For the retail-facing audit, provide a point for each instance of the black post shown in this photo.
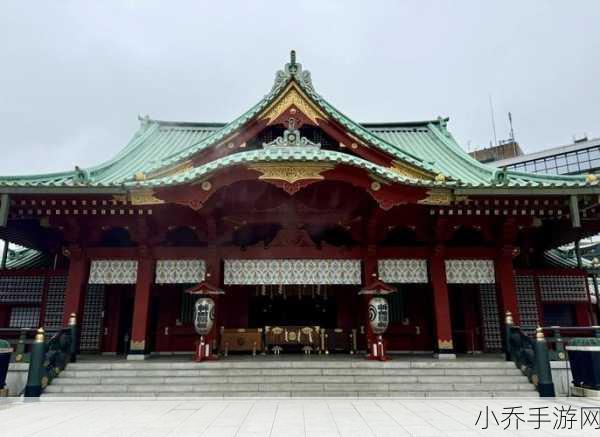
(508, 324)
(74, 338)
(20, 349)
(559, 343)
(545, 385)
(33, 389)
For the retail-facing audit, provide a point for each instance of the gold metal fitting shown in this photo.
(72, 319)
(539, 334)
(39, 337)
(509, 318)
(591, 178)
(440, 178)
(139, 176)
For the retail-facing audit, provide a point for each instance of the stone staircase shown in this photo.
(292, 377)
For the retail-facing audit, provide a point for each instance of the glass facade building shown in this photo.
(577, 158)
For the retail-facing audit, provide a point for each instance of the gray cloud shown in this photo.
(74, 75)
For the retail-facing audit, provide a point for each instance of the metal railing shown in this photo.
(50, 357)
(529, 355)
(559, 336)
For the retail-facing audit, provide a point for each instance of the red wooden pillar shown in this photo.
(76, 283)
(505, 282)
(141, 308)
(213, 276)
(582, 314)
(441, 304)
(369, 274)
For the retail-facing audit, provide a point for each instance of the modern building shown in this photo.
(580, 157)
(296, 212)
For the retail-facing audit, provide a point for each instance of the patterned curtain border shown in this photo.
(292, 272)
(180, 271)
(403, 271)
(470, 271)
(104, 271)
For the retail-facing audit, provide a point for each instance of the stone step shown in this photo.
(285, 387)
(108, 378)
(296, 364)
(311, 394)
(291, 378)
(92, 373)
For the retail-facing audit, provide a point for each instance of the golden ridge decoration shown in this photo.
(144, 197)
(291, 172)
(171, 171)
(293, 96)
(437, 196)
(409, 171)
(445, 344)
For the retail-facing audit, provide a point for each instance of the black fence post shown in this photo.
(545, 385)
(508, 324)
(74, 338)
(33, 389)
(21, 348)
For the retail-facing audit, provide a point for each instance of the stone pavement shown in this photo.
(290, 418)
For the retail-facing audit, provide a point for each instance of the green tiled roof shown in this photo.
(562, 258)
(25, 258)
(425, 145)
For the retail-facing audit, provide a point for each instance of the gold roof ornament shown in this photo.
(437, 196)
(293, 96)
(291, 172)
(591, 178)
(140, 176)
(144, 197)
(410, 171)
(440, 178)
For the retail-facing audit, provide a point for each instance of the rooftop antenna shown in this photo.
(512, 134)
(493, 121)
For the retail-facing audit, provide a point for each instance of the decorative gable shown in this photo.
(289, 103)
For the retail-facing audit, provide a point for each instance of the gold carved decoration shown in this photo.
(291, 172)
(120, 198)
(437, 196)
(445, 344)
(138, 345)
(409, 171)
(139, 176)
(170, 171)
(144, 197)
(293, 96)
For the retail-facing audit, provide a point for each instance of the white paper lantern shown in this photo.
(204, 315)
(379, 314)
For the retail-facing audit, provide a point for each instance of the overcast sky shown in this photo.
(75, 75)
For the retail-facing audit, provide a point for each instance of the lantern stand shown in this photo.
(378, 317)
(205, 310)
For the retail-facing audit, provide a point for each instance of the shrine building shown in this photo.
(294, 215)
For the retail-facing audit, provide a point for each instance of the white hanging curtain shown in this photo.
(105, 271)
(292, 271)
(403, 271)
(470, 271)
(180, 271)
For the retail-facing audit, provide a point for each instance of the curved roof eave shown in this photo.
(270, 156)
